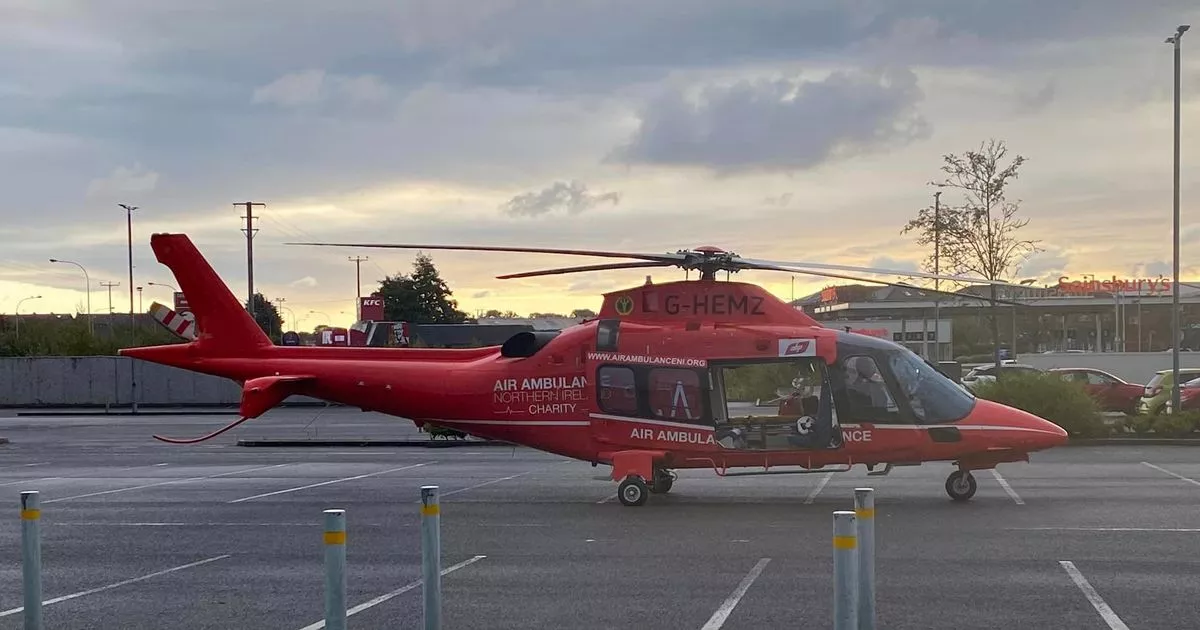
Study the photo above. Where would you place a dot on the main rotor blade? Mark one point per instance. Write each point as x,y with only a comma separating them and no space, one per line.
582,268
523,250
960,296
881,271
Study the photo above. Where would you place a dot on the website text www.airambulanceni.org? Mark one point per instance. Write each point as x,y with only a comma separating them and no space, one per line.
545,395
641,359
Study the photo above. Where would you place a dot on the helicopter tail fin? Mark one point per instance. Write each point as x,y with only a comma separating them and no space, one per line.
224,326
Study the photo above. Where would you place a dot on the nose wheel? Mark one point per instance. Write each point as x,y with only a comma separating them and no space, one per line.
961,485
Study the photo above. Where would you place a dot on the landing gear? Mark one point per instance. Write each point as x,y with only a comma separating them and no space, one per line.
633,491
663,480
960,485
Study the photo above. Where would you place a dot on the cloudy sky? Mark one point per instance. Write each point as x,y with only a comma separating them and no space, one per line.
800,130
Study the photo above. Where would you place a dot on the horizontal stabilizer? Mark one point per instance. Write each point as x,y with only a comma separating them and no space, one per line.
260,395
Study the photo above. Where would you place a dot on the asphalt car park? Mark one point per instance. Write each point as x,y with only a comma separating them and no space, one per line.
141,534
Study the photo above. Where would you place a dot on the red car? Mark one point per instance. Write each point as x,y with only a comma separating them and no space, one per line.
1189,396
1111,392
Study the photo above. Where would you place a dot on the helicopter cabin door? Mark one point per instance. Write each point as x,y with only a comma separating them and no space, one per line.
773,405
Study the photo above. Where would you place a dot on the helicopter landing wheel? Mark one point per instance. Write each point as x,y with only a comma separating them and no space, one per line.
961,485
633,491
663,480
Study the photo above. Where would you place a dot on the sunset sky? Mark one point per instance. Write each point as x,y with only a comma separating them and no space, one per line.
796,130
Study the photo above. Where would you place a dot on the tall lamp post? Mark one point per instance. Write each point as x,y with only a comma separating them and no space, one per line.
87,289
17,312
1175,328
160,284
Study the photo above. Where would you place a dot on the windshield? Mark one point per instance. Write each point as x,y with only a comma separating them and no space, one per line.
903,388
933,397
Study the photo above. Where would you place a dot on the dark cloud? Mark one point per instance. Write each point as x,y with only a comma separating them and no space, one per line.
568,197
780,124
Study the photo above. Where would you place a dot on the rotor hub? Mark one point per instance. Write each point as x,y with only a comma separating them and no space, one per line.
708,260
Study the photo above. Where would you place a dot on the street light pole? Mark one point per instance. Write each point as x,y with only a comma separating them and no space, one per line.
161,284
17,313
88,289
1175,328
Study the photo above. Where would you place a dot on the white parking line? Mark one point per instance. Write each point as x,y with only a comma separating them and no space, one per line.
177,524
1182,530
406,588
1176,475
486,483
719,617
163,483
13,483
1007,488
64,598
23,465
326,483
1114,622
812,496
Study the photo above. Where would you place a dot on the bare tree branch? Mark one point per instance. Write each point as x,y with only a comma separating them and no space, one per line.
980,235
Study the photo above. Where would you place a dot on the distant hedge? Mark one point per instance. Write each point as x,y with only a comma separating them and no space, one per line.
1068,404
1064,403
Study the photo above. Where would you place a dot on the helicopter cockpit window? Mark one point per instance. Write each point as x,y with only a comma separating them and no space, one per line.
934,399
867,392
617,390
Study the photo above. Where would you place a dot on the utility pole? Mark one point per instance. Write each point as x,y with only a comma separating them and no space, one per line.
109,286
358,260
937,301
133,366
1175,331
249,231
129,230
279,309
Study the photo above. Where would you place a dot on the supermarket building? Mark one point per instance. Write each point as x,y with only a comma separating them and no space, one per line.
1077,313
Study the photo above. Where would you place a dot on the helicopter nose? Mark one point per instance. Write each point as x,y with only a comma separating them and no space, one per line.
1031,432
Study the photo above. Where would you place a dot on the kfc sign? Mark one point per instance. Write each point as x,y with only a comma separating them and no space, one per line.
370,309
797,347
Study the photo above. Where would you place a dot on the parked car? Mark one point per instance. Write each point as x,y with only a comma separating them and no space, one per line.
1111,392
1158,390
1189,397
989,372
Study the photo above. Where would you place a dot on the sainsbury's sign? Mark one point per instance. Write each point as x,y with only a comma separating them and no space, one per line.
1140,286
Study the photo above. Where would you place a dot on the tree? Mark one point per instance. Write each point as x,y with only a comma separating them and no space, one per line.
582,313
498,314
422,298
980,235
267,316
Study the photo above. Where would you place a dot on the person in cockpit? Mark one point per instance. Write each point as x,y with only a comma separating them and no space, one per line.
864,384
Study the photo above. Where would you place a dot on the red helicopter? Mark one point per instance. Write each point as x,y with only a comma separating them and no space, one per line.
667,376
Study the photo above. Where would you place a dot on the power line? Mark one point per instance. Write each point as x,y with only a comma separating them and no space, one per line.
249,231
